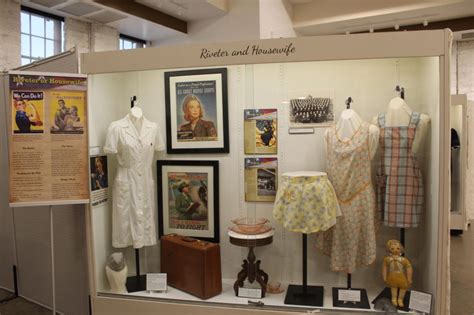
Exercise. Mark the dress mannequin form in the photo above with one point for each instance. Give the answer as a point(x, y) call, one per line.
point(116, 271)
point(136, 116)
point(398, 114)
point(348, 124)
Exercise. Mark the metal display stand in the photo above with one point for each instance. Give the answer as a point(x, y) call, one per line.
point(305, 294)
point(364, 299)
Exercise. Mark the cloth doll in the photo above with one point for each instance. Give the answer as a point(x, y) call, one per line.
point(397, 272)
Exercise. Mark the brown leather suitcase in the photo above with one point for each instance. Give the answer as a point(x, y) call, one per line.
point(191, 265)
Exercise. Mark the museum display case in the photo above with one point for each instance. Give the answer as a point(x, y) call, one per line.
point(268, 115)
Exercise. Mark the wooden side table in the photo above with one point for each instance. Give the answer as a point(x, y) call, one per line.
point(251, 269)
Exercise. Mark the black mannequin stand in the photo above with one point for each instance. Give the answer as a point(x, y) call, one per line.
point(138, 282)
point(364, 299)
point(305, 294)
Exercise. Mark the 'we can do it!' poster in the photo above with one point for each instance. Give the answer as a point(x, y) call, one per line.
point(48, 140)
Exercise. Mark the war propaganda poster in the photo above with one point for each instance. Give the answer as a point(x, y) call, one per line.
point(47, 140)
point(261, 179)
point(197, 114)
point(188, 196)
point(196, 111)
point(260, 128)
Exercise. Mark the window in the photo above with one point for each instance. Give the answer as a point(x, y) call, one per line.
point(41, 35)
point(128, 42)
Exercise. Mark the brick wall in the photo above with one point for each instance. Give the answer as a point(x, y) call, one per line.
point(89, 37)
point(85, 36)
point(77, 33)
point(465, 68)
point(9, 34)
point(104, 38)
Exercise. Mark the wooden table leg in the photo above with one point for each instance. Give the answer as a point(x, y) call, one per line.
point(251, 271)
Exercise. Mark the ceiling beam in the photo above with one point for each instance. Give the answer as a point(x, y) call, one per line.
point(146, 13)
point(455, 25)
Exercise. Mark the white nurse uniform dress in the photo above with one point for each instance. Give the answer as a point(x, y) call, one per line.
point(133, 219)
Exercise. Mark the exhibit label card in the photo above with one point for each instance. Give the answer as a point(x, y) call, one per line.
point(260, 131)
point(349, 295)
point(420, 301)
point(250, 293)
point(261, 176)
point(156, 282)
point(47, 140)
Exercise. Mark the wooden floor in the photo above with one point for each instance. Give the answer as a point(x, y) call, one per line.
point(462, 273)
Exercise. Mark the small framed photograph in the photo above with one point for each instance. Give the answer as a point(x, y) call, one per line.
point(188, 199)
point(196, 111)
point(311, 112)
point(261, 179)
point(99, 180)
point(260, 131)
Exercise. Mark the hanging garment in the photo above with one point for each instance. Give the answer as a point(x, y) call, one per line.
point(133, 220)
point(305, 204)
point(400, 185)
point(351, 242)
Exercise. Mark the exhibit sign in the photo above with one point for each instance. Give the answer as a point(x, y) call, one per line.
point(47, 139)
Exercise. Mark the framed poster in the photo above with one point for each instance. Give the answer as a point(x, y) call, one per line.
point(188, 199)
point(261, 179)
point(260, 131)
point(196, 111)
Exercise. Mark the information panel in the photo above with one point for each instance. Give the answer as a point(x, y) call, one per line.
point(47, 140)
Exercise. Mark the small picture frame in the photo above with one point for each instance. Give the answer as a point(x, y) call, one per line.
point(196, 111)
point(311, 112)
point(188, 199)
point(261, 131)
point(261, 179)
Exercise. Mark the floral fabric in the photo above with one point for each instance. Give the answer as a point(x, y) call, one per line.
point(305, 204)
point(351, 242)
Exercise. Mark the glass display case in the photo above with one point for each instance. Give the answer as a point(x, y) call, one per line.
point(258, 91)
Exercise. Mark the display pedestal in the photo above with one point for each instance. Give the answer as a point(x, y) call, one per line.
point(387, 294)
point(304, 294)
point(138, 282)
point(299, 295)
point(364, 299)
point(251, 269)
point(362, 303)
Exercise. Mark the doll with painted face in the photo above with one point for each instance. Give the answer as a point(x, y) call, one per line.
point(397, 272)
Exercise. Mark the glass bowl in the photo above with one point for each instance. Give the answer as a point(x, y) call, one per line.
point(250, 225)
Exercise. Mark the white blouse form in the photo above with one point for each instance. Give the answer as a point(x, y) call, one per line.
point(134, 139)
